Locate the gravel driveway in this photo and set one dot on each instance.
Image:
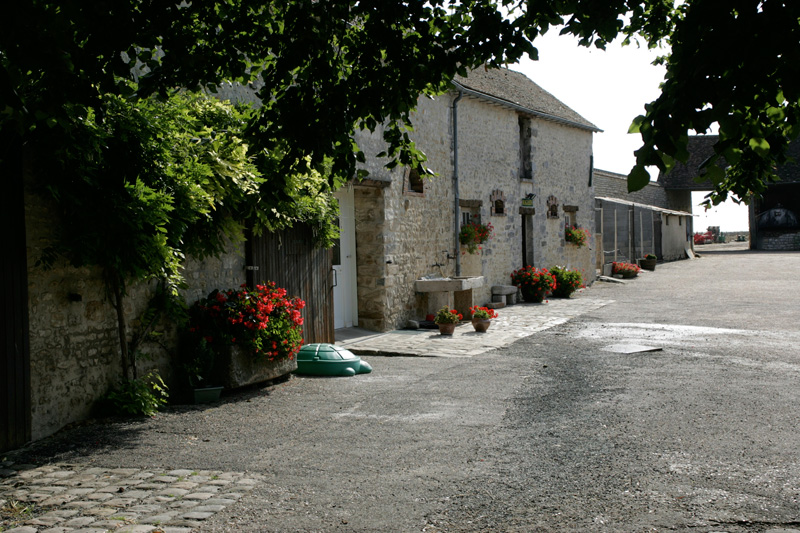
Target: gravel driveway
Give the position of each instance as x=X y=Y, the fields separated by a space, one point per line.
x=558 y=432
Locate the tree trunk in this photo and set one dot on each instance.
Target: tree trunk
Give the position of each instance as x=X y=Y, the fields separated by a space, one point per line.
x=118 y=295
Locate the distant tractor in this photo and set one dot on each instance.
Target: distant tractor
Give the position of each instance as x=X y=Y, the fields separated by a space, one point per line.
x=711 y=236
x=704 y=238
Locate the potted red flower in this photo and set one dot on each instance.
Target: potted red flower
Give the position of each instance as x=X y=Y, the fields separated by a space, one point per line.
x=447 y=319
x=482 y=318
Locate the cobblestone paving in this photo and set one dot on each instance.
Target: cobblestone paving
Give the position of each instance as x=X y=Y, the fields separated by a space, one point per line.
x=62 y=498
x=513 y=323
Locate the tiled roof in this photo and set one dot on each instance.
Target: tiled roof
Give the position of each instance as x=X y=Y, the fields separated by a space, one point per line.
x=701 y=147
x=790 y=172
x=517 y=90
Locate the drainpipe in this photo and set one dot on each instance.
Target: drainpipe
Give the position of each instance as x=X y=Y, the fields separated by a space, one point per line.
x=457 y=207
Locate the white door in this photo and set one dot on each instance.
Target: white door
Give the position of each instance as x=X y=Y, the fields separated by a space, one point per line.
x=345 y=313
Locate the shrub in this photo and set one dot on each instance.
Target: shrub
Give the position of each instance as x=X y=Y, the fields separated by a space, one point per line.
x=139 y=397
x=567 y=281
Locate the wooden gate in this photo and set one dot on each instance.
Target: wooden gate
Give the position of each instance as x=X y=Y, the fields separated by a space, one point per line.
x=15 y=402
x=290 y=259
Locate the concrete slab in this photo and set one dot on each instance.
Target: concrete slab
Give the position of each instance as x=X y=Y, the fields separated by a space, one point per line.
x=631 y=348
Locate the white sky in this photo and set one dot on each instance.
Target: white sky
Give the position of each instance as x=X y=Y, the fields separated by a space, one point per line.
x=610 y=88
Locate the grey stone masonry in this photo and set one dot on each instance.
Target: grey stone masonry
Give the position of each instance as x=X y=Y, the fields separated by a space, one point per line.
x=612 y=185
x=83 y=499
x=778 y=241
x=504 y=293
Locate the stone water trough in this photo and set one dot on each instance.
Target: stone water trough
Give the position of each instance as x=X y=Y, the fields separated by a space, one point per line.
x=439 y=290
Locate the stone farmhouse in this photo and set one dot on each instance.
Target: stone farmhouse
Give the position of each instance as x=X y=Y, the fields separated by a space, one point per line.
x=506 y=152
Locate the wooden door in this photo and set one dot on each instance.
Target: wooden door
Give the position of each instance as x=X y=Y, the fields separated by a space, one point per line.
x=290 y=259
x=657 y=235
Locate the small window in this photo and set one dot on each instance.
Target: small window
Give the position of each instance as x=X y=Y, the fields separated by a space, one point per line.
x=552 y=207
x=414 y=182
x=497 y=203
x=525 y=159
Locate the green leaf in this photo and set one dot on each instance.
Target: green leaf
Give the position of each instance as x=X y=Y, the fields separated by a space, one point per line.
x=760 y=146
x=638 y=178
x=713 y=173
x=636 y=125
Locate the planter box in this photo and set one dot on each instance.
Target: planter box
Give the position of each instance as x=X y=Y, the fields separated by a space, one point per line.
x=238 y=368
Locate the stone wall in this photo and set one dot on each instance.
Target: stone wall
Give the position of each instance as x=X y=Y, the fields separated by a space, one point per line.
x=74 y=345
x=562 y=156
x=489 y=159
x=611 y=185
x=402 y=235
x=370 y=250
x=778 y=240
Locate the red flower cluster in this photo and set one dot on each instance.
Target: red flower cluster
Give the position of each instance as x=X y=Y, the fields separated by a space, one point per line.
x=263 y=321
x=482 y=313
x=533 y=278
x=474 y=234
x=626 y=270
x=448 y=316
x=576 y=235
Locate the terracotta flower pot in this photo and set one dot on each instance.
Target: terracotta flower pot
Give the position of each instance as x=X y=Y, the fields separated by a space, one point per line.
x=481 y=324
x=446 y=329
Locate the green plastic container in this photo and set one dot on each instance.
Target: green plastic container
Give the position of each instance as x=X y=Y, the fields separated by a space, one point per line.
x=329 y=360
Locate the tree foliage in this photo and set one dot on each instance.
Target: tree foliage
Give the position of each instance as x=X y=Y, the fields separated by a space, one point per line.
x=146 y=183
x=326 y=68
